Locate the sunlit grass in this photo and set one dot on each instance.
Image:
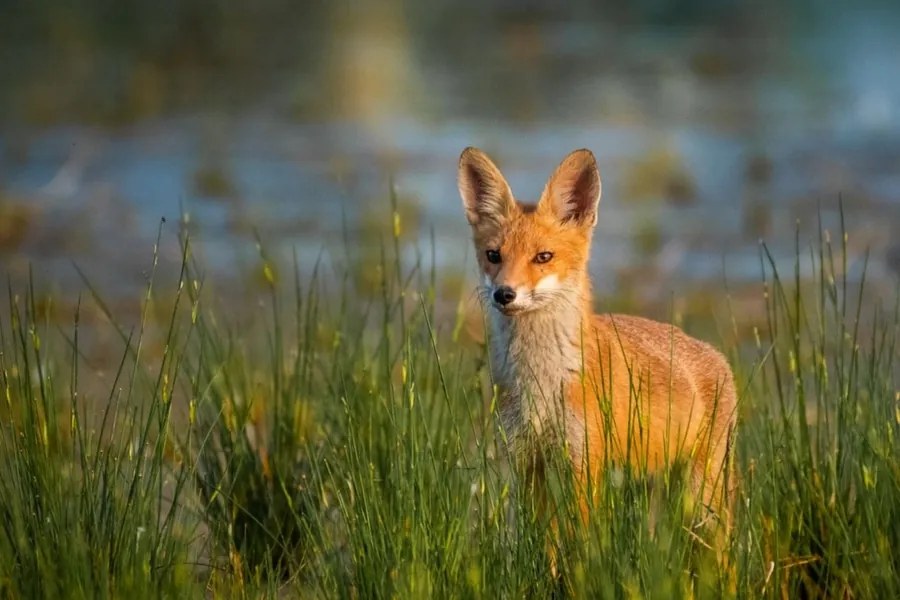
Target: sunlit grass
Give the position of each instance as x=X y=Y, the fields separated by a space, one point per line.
x=90 y=500
x=345 y=443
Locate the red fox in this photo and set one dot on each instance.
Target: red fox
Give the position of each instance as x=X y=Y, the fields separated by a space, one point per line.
x=612 y=388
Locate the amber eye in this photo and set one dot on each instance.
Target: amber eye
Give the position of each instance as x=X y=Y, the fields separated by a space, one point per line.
x=493 y=256
x=542 y=257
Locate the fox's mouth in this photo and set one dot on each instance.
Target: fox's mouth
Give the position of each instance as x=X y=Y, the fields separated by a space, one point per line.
x=510 y=311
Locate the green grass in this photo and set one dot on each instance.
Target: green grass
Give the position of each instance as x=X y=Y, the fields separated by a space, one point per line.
x=344 y=442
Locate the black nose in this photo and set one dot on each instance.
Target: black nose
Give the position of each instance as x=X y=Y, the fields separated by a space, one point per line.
x=504 y=294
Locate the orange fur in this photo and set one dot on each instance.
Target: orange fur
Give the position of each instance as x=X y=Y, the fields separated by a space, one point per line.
x=611 y=387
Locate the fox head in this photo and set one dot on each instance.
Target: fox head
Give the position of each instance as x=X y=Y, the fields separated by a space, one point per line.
x=532 y=257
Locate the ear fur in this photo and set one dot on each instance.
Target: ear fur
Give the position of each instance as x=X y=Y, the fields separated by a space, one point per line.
x=572 y=193
x=485 y=194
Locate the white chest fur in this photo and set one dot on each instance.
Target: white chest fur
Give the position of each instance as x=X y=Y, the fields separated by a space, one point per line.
x=534 y=356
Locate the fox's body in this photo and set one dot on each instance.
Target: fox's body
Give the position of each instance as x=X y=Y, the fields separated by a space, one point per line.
x=610 y=387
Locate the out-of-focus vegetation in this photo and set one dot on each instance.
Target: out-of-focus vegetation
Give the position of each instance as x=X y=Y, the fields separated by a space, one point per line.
x=117 y=62
x=114 y=62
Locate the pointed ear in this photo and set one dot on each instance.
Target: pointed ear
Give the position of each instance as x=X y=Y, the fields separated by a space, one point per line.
x=485 y=193
x=572 y=193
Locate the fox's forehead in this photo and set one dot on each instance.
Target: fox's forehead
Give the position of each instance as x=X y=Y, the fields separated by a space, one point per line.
x=526 y=228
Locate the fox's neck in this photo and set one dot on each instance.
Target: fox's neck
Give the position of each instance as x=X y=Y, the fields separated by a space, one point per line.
x=535 y=355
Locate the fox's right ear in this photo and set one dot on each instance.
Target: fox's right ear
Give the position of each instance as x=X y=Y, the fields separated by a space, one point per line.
x=485 y=194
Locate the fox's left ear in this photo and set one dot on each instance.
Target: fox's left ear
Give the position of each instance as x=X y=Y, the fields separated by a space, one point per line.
x=572 y=193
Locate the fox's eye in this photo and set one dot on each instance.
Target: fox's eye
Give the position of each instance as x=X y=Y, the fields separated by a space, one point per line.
x=542 y=257
x=493 y=256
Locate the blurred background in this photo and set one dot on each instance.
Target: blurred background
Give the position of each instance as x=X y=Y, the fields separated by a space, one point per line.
x=716 y=124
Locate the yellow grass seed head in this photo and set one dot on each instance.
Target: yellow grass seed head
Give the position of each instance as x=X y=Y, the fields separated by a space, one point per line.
x=397 y=228
x=269 y=273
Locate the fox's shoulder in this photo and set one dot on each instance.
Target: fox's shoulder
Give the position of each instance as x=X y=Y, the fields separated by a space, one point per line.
x=633 y=326
x=652 y=339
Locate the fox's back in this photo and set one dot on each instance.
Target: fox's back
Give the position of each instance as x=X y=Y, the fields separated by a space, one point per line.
x=661 y=347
